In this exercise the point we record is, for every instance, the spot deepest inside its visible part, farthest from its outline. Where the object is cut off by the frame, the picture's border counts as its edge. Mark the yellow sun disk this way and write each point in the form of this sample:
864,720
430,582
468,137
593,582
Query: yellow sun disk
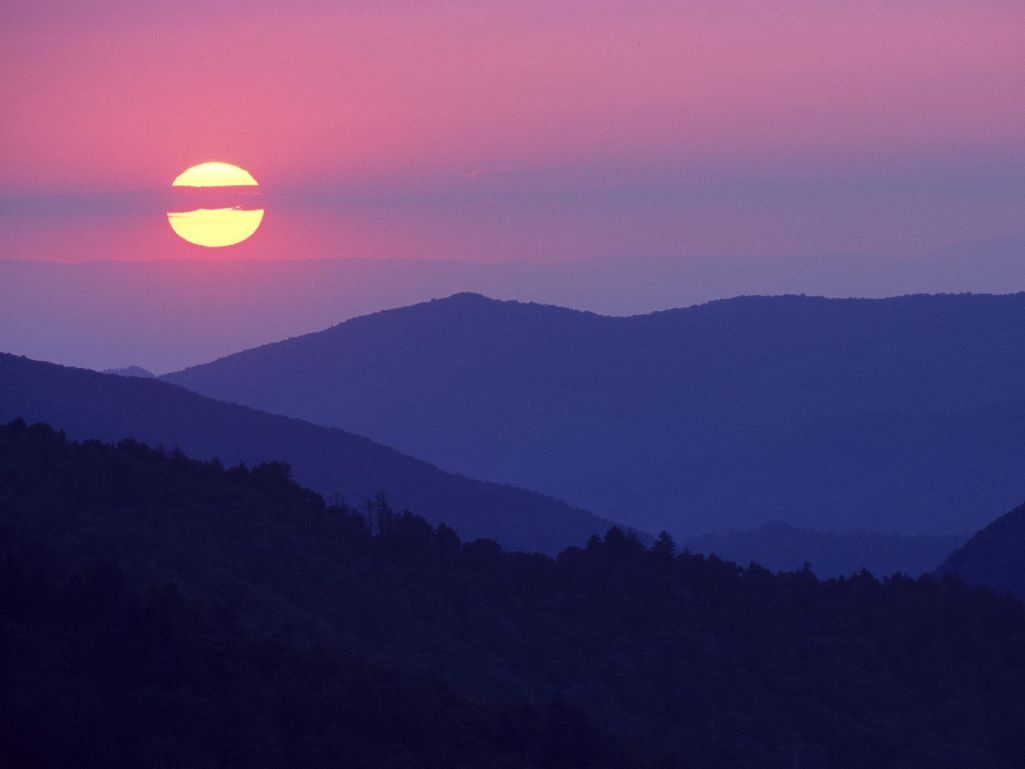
215,175
213,227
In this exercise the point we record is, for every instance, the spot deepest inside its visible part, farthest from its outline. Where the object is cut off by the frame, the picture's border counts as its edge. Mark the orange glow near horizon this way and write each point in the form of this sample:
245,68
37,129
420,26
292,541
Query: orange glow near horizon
215,227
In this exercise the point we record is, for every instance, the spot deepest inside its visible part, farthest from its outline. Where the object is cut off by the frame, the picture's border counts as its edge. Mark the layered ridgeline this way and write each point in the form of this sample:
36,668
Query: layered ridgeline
167,313
164,612
130,371
85,404
159,612
898,415
995,556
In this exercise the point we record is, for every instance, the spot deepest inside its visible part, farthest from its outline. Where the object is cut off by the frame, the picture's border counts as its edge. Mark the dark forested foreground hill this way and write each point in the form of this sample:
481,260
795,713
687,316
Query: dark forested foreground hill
157,611
148,619
995,556
89,405
899,415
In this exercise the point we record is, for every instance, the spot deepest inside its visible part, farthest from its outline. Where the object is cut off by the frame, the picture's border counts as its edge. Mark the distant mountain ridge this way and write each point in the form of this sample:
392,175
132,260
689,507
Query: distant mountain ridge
167,314
899,415
136,371
159,611
86,404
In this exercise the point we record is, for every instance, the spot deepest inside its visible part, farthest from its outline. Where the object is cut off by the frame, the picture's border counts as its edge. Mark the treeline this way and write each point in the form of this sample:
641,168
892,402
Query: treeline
100,669
157,611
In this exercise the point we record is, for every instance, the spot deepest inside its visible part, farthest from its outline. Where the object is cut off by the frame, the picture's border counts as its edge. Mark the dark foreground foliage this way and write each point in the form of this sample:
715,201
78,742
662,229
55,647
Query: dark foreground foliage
157,611
97,669
98,675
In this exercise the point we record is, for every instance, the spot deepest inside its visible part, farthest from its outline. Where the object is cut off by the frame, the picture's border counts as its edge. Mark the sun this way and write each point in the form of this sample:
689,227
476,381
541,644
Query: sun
214,175
217,227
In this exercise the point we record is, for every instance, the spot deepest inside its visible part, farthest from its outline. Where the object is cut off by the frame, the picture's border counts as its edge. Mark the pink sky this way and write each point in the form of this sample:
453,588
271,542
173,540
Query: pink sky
539,130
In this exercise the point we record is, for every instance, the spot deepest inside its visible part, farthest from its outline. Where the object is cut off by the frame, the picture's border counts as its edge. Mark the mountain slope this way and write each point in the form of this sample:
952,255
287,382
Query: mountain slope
149,602
993,557
832,414
89,405
939,473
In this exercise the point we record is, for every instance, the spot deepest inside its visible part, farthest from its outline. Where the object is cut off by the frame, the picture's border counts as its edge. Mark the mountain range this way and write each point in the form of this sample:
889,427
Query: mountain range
340,465
167,314
159,611
136,371
899,415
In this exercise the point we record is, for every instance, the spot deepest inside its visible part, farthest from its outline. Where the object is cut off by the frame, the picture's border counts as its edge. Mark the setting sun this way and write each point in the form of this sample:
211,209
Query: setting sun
214,175
216,227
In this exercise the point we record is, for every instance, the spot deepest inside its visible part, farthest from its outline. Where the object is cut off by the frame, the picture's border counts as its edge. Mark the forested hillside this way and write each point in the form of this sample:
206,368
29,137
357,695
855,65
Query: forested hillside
336,463
156,610
139,629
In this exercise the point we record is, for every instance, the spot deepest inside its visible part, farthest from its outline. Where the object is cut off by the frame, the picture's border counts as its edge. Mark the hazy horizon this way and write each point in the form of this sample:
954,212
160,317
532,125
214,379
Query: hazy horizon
164,315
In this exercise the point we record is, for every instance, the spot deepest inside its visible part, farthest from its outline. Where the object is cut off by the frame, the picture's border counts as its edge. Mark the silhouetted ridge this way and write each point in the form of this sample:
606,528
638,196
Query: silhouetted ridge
136,371
154,611
901,416
158,609
334,462
995,556
176,313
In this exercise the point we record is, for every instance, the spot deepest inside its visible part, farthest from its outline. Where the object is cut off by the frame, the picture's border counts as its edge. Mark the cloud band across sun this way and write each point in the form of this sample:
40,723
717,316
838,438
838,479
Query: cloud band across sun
216,227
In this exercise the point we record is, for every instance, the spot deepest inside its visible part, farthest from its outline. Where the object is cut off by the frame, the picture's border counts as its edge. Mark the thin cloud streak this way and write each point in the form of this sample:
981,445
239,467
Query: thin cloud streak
776,126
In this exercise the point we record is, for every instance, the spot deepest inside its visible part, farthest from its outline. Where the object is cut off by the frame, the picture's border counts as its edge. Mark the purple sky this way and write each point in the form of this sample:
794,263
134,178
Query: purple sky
540,130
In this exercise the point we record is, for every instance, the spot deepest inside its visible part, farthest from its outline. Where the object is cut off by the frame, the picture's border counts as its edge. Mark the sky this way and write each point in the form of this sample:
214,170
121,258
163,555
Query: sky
539,131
